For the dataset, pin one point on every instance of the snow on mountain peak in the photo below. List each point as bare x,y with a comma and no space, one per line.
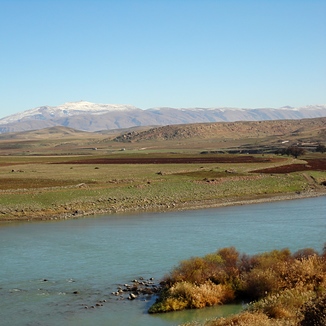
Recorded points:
83,115
66,109
93,107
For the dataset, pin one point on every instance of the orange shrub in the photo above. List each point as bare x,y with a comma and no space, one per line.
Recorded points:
280,283
185,295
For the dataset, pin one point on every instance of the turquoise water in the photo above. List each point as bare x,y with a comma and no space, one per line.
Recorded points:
44,263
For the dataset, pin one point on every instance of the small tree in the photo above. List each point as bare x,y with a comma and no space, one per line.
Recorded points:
295,151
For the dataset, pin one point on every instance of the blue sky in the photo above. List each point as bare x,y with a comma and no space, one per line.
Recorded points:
152,53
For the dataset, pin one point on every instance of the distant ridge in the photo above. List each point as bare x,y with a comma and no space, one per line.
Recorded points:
87,116
314,128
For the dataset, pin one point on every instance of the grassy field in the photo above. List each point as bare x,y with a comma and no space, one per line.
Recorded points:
65,186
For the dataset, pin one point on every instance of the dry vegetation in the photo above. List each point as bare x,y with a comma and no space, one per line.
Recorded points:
282,288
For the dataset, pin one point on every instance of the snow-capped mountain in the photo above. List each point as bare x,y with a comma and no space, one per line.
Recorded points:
91,117
65,110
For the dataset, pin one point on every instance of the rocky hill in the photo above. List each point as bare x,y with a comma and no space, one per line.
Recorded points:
300,129
227,137
91,117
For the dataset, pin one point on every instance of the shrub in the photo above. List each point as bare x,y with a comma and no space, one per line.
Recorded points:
258,283
169,304
284,304
308,273
230,257
304,253
220,267
283,286
262,274
193,270
314,312
247,263
184,295
230,261
273,258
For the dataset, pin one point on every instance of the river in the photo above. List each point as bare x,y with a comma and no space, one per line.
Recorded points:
51,270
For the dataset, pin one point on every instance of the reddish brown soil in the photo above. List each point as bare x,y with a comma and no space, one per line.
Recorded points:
312,164
174,160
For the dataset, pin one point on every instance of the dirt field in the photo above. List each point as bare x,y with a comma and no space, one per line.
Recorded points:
175,160
312,164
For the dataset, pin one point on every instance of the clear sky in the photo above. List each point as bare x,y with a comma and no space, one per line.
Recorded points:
152,53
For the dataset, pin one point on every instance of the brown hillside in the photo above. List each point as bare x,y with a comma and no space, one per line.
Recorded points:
305,128
46,133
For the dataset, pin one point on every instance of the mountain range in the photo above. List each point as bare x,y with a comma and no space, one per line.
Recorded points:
91,117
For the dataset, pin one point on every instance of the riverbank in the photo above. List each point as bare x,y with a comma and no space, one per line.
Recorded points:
50,188
253,200
62,213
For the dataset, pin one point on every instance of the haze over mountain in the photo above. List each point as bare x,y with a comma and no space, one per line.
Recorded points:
92,117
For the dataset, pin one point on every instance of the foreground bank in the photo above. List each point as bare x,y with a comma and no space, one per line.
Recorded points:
282,288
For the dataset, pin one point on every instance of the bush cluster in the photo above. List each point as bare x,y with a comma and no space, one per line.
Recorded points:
185,295
277,285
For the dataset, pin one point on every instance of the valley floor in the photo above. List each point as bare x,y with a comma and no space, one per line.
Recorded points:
75,187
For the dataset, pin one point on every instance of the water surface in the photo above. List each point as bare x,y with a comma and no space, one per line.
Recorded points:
44,263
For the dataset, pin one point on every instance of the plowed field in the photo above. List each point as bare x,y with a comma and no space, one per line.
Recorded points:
312,164
175,160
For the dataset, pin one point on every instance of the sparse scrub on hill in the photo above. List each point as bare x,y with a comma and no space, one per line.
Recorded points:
283,288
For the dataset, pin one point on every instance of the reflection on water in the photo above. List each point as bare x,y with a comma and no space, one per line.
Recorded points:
51,271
